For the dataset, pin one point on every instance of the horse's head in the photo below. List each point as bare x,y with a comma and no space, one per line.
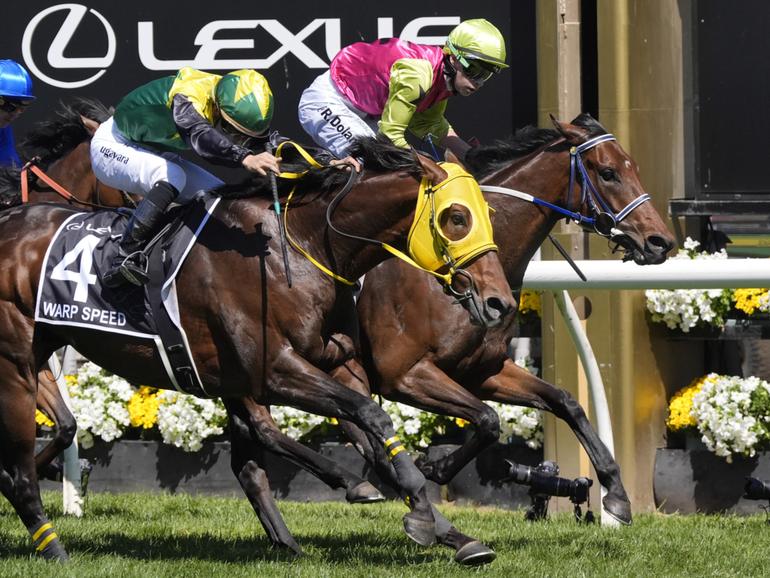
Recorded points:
604,188
452,236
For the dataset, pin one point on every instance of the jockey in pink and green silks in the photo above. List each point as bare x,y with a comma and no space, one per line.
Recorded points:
392,86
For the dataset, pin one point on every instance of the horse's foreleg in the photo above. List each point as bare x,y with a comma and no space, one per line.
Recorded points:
18,477
516,386
270,437
468,550
245,465
300,384
50,401
426,387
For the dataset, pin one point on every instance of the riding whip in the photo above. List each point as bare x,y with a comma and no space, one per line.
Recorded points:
282,231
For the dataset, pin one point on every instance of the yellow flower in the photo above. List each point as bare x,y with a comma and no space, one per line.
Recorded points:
143,407
748,300
529,302
680,406
42,419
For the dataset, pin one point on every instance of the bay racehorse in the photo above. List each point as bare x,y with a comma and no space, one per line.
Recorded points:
250,334
427,354
61,148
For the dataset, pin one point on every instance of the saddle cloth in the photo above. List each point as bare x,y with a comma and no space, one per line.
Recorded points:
71,291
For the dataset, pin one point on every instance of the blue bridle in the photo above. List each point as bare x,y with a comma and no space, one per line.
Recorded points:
604,220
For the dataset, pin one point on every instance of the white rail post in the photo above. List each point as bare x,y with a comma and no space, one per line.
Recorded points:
595,384
72,501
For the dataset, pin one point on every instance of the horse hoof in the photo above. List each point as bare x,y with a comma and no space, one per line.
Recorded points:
475,554
364,493
420,530
54,552
291,548
618,509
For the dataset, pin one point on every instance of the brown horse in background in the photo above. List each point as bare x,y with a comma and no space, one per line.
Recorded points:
251,336
61,147
428,356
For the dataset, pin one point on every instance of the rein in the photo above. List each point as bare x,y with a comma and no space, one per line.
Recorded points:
56,187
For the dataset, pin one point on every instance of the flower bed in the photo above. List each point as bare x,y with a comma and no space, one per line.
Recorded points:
107,408
725,422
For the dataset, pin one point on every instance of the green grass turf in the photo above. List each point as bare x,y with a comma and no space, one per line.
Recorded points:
152,535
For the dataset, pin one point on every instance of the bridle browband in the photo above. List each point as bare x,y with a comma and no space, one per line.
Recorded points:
603,220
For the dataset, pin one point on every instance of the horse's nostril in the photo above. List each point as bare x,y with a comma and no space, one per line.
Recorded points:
497,307
659,244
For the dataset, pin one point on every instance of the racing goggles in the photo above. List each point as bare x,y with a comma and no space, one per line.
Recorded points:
13,104
239,138
479,71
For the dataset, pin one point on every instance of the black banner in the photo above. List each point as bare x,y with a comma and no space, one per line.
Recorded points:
104,50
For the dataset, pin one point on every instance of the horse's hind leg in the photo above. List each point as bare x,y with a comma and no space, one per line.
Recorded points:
357,490
253,480
18,477
49,399
516,386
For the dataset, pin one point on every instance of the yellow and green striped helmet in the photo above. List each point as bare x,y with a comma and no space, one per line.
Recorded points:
479,40
245,101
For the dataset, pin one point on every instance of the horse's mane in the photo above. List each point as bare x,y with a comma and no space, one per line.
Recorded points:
51,139
377,154
486,159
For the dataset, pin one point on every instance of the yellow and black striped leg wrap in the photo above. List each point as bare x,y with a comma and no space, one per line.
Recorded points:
393,447
46,542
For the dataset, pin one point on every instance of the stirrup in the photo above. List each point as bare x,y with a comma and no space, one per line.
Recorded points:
134,268
131,269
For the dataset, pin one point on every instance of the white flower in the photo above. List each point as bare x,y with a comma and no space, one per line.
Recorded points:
99,404
185,421
722,409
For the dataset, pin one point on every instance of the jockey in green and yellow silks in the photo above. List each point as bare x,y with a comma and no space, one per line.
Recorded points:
392,86
221,118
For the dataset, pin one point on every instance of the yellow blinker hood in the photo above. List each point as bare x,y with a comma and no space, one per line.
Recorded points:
427,244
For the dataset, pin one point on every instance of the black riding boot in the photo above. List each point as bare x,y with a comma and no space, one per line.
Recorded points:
130,264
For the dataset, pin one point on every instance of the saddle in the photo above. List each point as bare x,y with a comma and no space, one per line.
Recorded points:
71,291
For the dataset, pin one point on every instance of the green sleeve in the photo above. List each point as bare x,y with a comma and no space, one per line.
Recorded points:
431,121
410,80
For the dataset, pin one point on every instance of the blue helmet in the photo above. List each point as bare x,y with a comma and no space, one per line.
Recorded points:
15,81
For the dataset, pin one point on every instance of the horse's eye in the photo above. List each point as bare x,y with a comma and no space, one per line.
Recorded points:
458,220
608,175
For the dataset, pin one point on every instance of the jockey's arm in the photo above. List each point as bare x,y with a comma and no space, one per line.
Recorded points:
410,80
202,137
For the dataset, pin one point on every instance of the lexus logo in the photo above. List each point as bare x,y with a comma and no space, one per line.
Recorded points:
56,58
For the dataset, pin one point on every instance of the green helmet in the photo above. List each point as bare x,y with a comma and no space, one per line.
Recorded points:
478,40
245,101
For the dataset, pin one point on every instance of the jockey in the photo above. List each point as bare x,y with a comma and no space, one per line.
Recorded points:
137,150
392,85
15,96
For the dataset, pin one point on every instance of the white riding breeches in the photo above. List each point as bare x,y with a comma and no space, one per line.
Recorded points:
330,119
122,164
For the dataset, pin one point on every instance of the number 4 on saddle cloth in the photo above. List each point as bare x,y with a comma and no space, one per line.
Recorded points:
71,291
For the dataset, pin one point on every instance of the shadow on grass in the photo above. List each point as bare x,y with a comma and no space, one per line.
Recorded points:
371,548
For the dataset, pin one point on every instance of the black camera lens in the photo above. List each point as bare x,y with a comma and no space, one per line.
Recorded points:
756,489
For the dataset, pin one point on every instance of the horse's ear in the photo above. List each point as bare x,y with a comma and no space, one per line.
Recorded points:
89,124
573,134
450,157
430,168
